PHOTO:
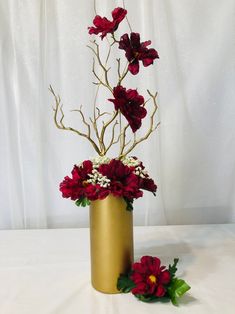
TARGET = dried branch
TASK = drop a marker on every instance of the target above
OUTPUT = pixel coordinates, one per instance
(123, 143)
(106, 124)
(95, 7)
(109, 51)
(60, 124)
(123, 3)
(125, 71)
(112, 138)
(119, 68)
(114, 39)
(100, 82)
(83, 120)
(101, 114)
(105, 70)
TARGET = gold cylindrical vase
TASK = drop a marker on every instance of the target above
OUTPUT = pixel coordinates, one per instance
(111, 242)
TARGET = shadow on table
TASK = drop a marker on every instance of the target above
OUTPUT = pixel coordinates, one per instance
(187, 299)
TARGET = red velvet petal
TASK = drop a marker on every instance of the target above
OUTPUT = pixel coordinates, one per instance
(140, 288)
(165, 277)
(134, 67)
(119, 14)
(160, 292)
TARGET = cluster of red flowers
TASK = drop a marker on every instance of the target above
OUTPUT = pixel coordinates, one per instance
(94, 182)
(129, 102)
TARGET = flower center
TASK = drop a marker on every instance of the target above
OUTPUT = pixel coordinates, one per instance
(153, 278)
(84, 183)
(136, 54)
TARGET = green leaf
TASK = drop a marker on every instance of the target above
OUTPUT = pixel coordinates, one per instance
(125, 284)
(172, 268)
(145, 298)
(129, 203)
(83, 201)
(152, 298)
(177, 288)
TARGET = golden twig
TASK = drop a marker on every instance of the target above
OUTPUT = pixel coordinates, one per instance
(105, 70)
(83, 119)
(123, 2)
(125, 71)
(112, 138)
(60, 124)
(106, 124)
(123, 143)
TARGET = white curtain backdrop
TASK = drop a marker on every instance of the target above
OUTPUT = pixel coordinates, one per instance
(191, 156)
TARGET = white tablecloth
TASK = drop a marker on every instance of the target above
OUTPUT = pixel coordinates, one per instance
(48, 271)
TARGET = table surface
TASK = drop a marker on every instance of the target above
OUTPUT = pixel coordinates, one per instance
(48, 271)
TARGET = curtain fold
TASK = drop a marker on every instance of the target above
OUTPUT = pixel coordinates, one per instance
(191, 156)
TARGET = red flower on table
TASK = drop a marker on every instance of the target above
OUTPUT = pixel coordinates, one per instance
(104, 26)
(149, 277)
(137, 51)
(130, 103)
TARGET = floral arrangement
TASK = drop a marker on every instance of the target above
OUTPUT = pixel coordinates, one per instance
(97, 178)
(151, 282)
(124, 175)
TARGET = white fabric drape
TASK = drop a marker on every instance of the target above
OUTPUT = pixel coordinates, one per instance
(191, 156)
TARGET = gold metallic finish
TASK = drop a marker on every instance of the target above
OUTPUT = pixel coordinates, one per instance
(111, 237)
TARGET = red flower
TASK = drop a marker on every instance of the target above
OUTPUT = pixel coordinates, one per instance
(129, 102)
(74, 187)
(137, 51)
(149, 277)
(123, 181)
(104, 26)
(94, 192)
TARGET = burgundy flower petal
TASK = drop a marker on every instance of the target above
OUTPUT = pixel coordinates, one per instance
(160, 292)
(137, 278)
(140, 288)
(165, 277)
(103, 193)
(87, 166)
(117, 189)
(118, 15)
(152, 263)
(124, 42)
(139, 267)
(134, 67)
(146, 43)
(151, 288)
(149, 57)
(135, 41)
